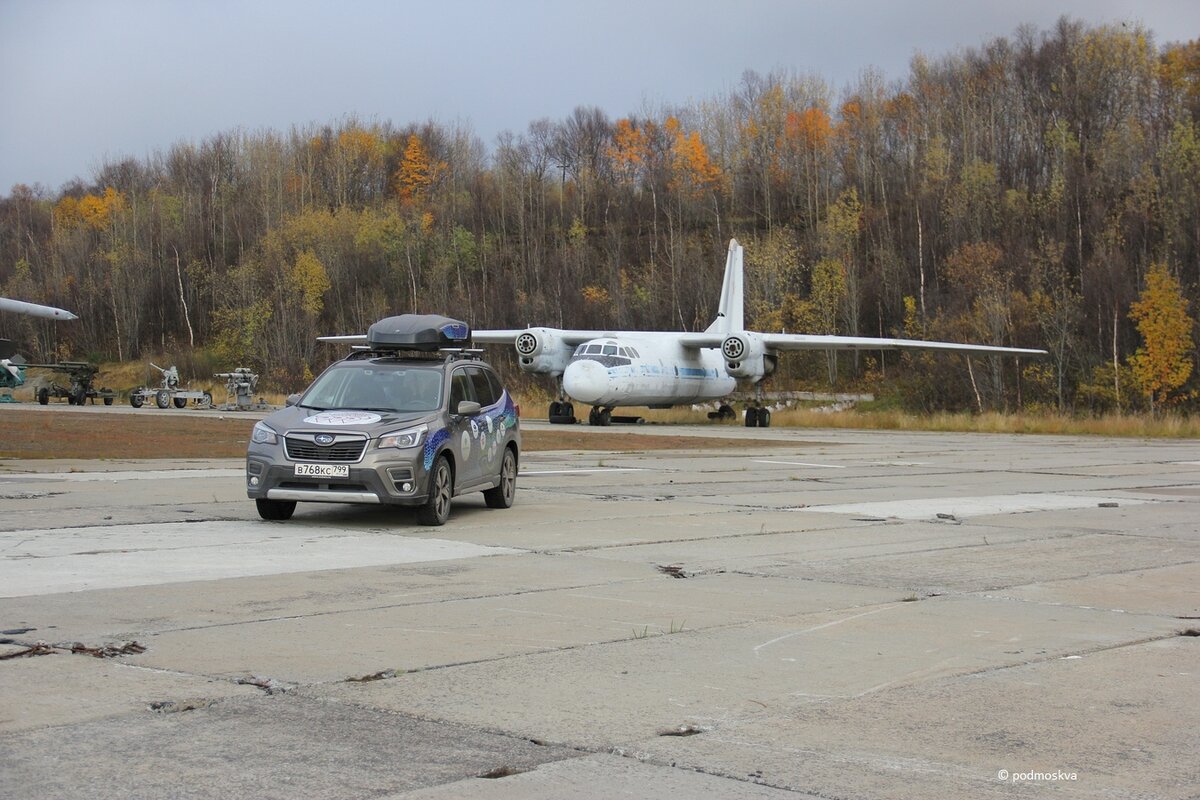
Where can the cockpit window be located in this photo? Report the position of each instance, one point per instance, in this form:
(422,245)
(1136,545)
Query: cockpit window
(594,349)
(610,350)
(581,349)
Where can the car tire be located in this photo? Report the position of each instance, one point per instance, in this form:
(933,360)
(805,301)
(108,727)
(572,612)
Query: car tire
(503,494)
(136,399)
(436,508)
(276,510)
(162,398)
(179,402)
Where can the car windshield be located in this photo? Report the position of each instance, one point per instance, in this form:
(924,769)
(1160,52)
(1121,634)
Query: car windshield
(400,388)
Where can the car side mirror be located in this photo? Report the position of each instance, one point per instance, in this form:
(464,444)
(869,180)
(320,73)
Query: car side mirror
(292,399)
(468,408)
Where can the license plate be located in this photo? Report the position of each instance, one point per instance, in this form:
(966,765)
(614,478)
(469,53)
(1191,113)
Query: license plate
(323,470)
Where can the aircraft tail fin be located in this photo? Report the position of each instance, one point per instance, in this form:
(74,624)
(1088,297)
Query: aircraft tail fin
(729,312)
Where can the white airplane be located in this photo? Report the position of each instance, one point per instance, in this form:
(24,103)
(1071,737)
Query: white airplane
(660,369)
(34,309)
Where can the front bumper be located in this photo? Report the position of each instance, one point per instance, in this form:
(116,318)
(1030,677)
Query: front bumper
(380,478)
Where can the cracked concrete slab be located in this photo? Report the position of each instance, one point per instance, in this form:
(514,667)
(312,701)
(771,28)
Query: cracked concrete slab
(264,747)
(622,692)
(602,777)
(61,688)
(334,646)
(1132,737)
(801,652)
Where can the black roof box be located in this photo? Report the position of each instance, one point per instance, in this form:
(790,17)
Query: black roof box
(425,332)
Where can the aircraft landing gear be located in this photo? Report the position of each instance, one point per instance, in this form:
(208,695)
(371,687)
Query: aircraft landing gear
(758,415)
(724,412)
(600,416)
(562,412)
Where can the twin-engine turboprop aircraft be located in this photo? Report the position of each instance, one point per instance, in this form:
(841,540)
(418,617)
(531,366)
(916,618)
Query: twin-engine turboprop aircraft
(660,369)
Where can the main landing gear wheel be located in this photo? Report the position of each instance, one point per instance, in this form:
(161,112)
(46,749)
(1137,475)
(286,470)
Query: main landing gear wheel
(758,417)
(562,413)
(43,395)
(600,416)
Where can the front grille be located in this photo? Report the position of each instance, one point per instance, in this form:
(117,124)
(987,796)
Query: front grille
(343,452)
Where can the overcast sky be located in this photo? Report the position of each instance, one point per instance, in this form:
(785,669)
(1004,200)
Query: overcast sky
(82,81)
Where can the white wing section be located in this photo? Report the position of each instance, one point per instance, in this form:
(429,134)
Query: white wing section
(800,341)
(351,338)
(570,336)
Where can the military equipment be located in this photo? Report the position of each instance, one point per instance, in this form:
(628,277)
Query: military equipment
(240,386)
(82,375)
(169,393)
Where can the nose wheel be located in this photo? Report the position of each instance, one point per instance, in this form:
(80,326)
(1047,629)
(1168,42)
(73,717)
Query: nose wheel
(600,416)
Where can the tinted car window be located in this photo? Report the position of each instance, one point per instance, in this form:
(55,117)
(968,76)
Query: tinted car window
(460,389)
(497,388)
(483,389)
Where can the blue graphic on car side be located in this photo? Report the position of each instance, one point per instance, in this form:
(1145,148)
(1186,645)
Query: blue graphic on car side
(433,444)
(488,429)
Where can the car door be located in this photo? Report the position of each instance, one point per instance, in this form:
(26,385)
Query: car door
(464,431)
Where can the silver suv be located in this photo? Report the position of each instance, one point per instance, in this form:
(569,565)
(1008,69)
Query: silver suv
(412,418)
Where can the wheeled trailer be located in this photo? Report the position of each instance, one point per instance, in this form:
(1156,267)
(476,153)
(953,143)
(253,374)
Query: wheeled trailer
(169,393)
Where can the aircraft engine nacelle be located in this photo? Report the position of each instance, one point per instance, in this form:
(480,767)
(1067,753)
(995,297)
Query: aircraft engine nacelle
(747,357)
(542,351)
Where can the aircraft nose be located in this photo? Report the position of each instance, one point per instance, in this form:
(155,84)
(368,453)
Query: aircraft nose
(586,381)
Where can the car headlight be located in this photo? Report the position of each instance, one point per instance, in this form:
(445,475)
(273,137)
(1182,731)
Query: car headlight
(263,435)
(409,437)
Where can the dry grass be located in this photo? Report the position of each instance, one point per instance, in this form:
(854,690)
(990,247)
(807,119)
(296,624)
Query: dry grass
(174,433)
(1121,425)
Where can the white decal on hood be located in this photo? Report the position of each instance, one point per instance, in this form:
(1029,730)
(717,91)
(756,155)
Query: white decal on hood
(343,418)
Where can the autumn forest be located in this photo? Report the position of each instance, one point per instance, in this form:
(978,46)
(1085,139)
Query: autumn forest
(1039,190)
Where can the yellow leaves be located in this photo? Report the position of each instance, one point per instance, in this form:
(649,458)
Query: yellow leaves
(1163,363)
(629,149)
(95,211)
(692,170)
(595,295)
(312,282)
(417,173)
(359,143)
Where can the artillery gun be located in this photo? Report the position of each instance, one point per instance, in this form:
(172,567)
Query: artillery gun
(240,386)
(80,390)
(169,393)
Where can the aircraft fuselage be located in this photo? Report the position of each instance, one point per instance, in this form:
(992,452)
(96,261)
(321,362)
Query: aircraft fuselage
(645,369)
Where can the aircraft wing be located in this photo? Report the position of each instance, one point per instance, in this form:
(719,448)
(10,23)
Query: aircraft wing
(801,341)
(350,338)
(571,337)
(697,341)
